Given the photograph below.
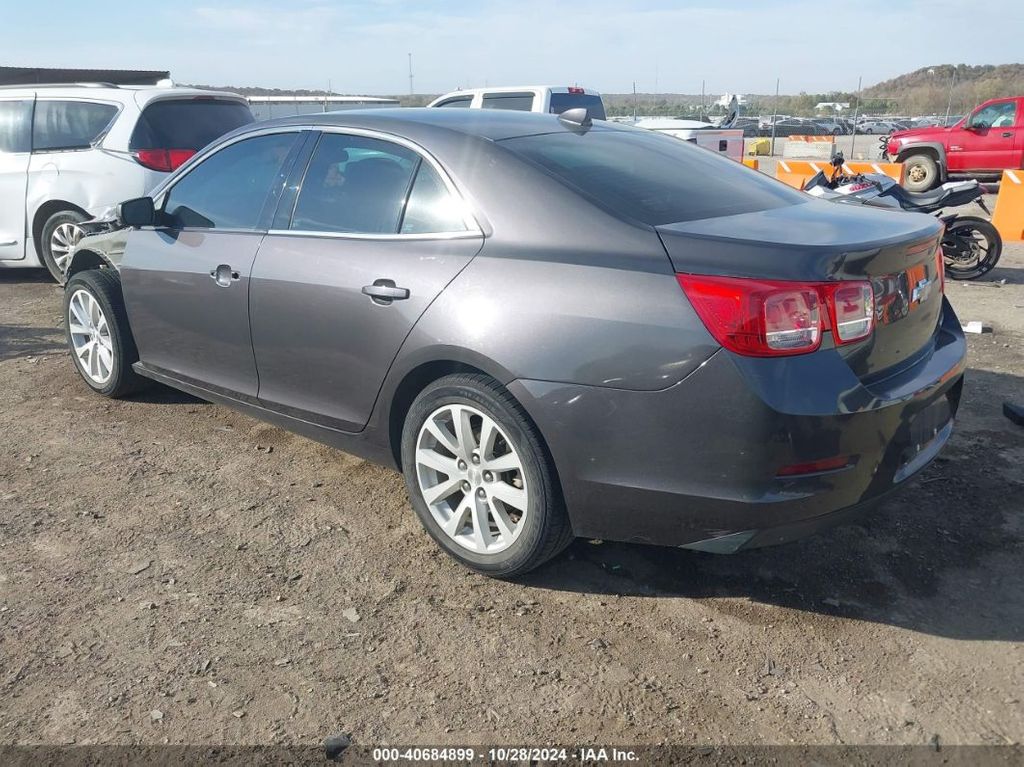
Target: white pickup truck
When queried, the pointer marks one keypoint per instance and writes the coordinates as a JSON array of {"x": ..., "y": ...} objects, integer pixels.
[{"x": 525, "y": 98}]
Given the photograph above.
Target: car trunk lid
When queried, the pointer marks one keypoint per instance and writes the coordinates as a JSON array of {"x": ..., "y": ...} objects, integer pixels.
[{"x": 824, "y": 241}]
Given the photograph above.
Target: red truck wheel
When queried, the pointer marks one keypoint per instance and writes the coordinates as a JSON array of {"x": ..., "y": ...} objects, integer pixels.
[{"x": 920, "y": 172}]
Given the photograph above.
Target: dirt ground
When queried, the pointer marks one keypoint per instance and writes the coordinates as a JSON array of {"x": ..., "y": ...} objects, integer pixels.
[{"x": 171, "y": 571}]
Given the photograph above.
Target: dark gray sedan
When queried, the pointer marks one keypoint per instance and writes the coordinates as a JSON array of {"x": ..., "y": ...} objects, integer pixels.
[{"x": 552, "y": 327}]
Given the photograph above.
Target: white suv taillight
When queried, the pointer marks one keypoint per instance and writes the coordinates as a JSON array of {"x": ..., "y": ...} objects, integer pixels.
[{"x": 768, "y": 318}]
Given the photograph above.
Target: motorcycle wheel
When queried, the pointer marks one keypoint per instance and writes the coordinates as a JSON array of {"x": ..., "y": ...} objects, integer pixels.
[{"x": 971, "y": 247}]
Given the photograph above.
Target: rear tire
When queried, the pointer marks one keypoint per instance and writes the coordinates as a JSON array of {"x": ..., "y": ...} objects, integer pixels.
[
  {"x": 967, "y": 258},
  {"x": 59, "y": 236},
  {"x": 98, "y": 336},
  {"x": 459, "y": 474},
  {"x": 920, "y": 172}
]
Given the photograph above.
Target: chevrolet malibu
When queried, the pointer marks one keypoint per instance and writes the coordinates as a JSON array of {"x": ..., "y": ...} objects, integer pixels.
[{"x": 552, "y": 327}]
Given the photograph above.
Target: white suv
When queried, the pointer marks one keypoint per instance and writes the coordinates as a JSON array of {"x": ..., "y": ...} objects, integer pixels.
[
  {"x": 69, "y": 152},
  {"x": 525, "y": 98}
]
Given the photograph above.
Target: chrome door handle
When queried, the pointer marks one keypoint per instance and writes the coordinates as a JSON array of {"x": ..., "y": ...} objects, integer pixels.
[
  {"x": 1007, "y": 134},
  {"x": 383, "y": 292},
  {"x": 224, "y": 275}
]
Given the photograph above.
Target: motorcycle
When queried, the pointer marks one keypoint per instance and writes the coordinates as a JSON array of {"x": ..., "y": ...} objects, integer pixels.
[{"x": 970, "y": 244}]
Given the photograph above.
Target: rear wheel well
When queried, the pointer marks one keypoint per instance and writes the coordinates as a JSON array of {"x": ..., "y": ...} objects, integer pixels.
[
  {"x": 46, "y": 210},
  {"x": 415, "y": 381}
]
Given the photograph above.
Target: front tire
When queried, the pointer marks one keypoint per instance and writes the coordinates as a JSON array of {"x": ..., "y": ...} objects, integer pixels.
[
  {"x": 97, "y": 333},
  {"x": 480, "y": 479},
  {"x": 920, "y": 172},
  {"x": 60, "y": 235},
  {"x": 971, "y": 247}
]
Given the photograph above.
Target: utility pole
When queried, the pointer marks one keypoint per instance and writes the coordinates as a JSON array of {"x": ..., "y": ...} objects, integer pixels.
[
  {"x": 634, "y": 101},
  {"x": 856, "y": 108},
  {"x": 410, "y": 74},
  {"x": 949, "y": 103}
]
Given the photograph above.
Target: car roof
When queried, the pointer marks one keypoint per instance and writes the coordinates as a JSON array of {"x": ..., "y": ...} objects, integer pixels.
[
  {"x": 492, "y": 124},
  {"x": 138, "y": 94}
]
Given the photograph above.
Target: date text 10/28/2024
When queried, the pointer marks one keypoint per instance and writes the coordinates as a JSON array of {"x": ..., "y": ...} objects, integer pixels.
[{"x": 504, "y": 754}]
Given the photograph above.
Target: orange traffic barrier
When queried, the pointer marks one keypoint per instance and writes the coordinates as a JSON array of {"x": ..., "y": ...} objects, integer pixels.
[
  {"x": 893, "y": 170},
  {"x": 796, "y": 173},
  {"x": 1008, "y": 217},
  {"x": 829, "y": 138},
  {"x": 750, "y": 162}
]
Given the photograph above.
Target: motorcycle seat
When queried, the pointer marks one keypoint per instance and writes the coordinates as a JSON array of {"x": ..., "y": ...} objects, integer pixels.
[{"x": 952, "y": 193}]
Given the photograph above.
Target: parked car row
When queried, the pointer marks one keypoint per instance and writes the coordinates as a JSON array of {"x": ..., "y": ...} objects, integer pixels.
[{"x": 68, "y": 152}]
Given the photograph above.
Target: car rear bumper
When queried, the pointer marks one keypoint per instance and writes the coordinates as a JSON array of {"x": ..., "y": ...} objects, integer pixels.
[{"x": 696, "y": 464}]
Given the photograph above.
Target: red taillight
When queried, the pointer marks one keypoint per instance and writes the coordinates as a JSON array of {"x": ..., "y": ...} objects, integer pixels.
[
  {"x": 940, "y": 268},
  {"x": 767, "y": 318},
  {"x": 575, "y": 89},
  {"x": 164, "y": 160},
  {"x": 814, "y": 467}
]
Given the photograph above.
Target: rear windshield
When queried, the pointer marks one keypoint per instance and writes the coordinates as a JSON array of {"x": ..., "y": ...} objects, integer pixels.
[
  {"x": 187, "y": 124},
  {"x": 562, "y": 101},
  {"x": 651, "y": 178}
]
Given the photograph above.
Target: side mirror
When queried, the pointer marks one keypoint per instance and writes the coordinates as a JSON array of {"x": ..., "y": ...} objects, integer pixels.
[{"x": 137, "y": 212}]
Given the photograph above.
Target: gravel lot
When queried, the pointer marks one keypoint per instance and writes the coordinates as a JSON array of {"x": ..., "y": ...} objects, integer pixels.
[{"x": 171, "y": 571}]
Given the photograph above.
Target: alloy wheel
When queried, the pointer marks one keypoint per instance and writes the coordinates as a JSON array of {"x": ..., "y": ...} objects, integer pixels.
[
  {"x": 90, "y": 336},
  {"x": 63, "y": 240},
  {"x": 471, "y": 479}
]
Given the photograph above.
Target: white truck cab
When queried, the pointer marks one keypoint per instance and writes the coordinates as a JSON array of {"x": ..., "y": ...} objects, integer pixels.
[{"x": 525, "y": 98}]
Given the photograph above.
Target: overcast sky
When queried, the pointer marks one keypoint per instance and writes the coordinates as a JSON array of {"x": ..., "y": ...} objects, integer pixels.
[{"x": 361, "y": 47}]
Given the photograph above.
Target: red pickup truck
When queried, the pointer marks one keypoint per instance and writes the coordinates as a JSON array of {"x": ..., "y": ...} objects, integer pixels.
[{"x": 985, "y": 143}]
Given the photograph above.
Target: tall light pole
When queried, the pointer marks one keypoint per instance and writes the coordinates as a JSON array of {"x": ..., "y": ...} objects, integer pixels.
[
  {"x": 410, "y": 74},
  {"x": 775, "y": 114},
  {"x": 856, "y": 109},
  {"x": 949, "y": 103}
]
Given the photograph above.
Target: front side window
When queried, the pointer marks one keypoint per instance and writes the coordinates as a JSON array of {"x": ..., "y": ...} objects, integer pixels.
[
  {"x": 522, "y": 102},
  {"x": 431, "y": 207},
  {"x": 230, "y": 188},
  {"x": 462, "y": 102},
  {"x": 560, "y": 102},
  {"x": 15, "y": 126},
  {"x": 354, "y": 184},
  {"x": 69, "y": 124},
  {"x": 1000, "y": 115}
]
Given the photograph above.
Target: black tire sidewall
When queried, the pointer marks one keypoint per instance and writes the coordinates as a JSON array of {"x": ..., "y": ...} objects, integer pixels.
[
  {"x": 524, "y": 553},
  {"x": 98, "y": 285},
  {"x": 995, "y": 250},
  {"x": 62, "y": 217}
]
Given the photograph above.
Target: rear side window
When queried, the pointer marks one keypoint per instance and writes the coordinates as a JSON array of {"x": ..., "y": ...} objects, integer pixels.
[
  {"x": 187, "y": 124},
  {"x": 431, "y": 207},
  {"x": 15, "y": 126},
  {"x": 229, "y": 189},
  {"x": 69, "y": 124},
  {"x": 462, "y": 102},
  {"x": 354, "y": 184},
  {"x": 562, "y": 101},
  {"x": 653, "y": 179},
  {"x": 522, "y": 102}
]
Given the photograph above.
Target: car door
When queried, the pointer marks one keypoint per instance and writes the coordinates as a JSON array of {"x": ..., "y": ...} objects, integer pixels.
[
  {"x": 987, "y": 140},
  {"x": 15, "y": 153},
  {"x": 186, "y": 280},
  {"x": 376, "y": 232}
]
